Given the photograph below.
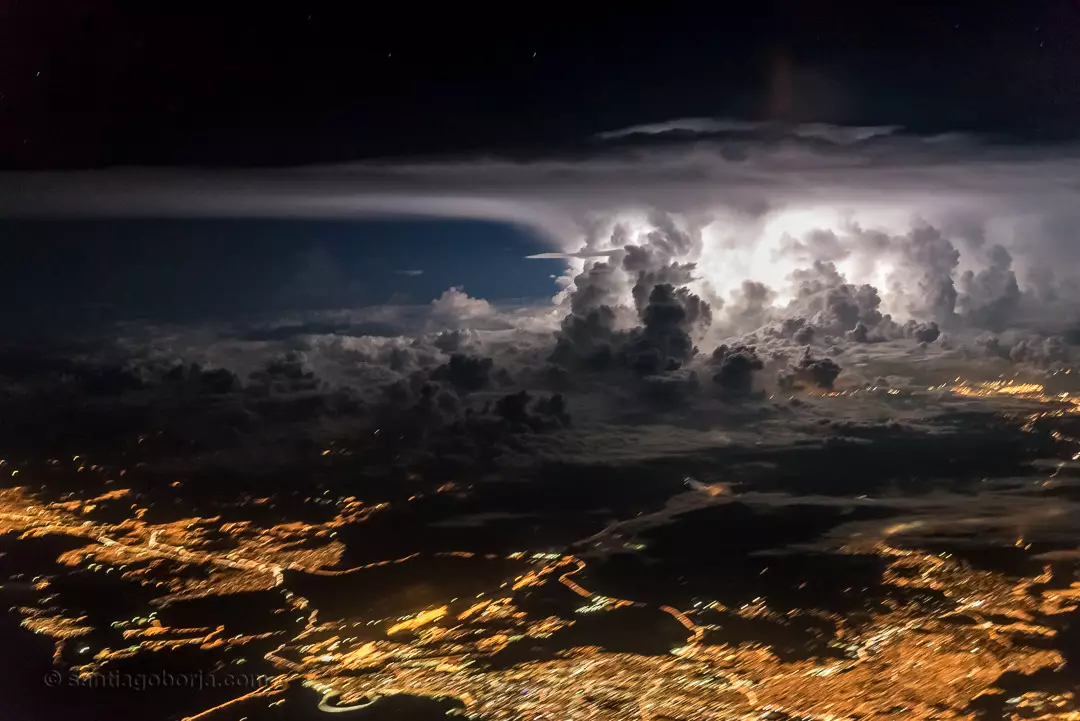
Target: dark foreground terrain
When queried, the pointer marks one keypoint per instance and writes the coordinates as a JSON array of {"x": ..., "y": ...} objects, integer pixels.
[{"x": 912, "y": 575}]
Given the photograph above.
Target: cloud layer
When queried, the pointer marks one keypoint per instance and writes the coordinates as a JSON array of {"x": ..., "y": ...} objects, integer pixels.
[{"x": 705, "y": 281}]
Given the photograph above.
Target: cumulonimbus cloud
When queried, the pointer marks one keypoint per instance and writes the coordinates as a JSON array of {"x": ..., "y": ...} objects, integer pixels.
[
  {"x": 750, "y": 175},
  {"x": 856, "y": 231}
]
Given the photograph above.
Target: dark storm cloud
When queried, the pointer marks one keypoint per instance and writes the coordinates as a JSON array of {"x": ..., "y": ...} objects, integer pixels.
[
  {"x": 1043, "y": 352},
  {"x": 658, "y": 332},
  {"x": 991, "y": 296},
  {"x": 680, "y": 208},
  {"x": 663, "y": 342},
  {"x": 820, "y": 372},
  {"x": 737, "y": 367},
  {"x": 465, "y": 373},
  {"x": 699, "y": 280}
]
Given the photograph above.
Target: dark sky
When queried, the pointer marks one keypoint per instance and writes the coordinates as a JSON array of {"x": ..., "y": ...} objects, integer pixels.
[
  {"x": 99, "y": 83},
  {"x": 86, "y": 83},
  {"x": 62, "y": 274}
]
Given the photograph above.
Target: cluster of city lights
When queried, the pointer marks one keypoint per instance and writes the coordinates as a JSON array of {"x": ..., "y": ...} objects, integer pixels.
[{"x": 912, "y": 660}]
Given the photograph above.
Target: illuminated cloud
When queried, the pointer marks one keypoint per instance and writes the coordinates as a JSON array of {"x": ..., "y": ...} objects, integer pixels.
[{"x": 818, "y": 256}]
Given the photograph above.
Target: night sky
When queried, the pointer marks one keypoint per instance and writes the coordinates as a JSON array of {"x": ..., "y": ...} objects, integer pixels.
[
  {"x": 59, "y": 274},
  {"x": 590, "y": 361},
  {"x": 100, "y": 82}
]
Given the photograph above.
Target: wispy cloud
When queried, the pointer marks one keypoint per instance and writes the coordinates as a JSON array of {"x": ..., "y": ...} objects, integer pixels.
[
  {"x": 839, "y": 134},
  {"x": 578, "y": 254}
]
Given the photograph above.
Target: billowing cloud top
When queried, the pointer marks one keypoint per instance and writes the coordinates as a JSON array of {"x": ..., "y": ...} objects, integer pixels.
[
  {"x": 759, "y": 261},
  {"x": 751, "y": 172}
]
